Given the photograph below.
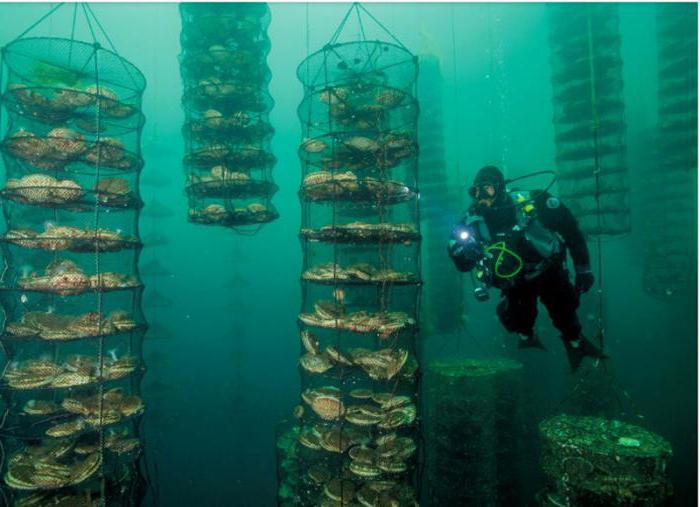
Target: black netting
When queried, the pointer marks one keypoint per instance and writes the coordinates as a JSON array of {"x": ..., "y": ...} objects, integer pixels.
[
  {"x": 70, "y": 289},
  {"x": 227, "y": 130},
  {"x": 670, "y": 217},
  {"x": 473, "y": 448},
  {"x": 589, "y": 120},
  {"x": 356, "y": 436}
]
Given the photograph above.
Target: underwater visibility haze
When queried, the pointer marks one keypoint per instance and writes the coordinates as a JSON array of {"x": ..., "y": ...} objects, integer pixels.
[{"x": 349, "y": 254}]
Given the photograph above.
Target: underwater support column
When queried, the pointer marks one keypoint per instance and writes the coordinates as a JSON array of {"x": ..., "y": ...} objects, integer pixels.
[
  {"x": 71, "y": 294},
  {"x": 356, "y": 435},
  {"x": 228, "y": 162},
  {"x": 472, "y": 432}
]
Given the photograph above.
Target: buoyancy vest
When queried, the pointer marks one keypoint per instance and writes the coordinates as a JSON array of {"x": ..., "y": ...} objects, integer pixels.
[{"x": 546, "y": 242}]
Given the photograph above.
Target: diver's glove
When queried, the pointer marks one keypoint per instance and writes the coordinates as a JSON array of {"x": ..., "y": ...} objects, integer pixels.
[{"x": 584, "y": 279}]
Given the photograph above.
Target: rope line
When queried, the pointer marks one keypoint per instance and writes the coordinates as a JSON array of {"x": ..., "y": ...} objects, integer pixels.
[
  {"x": 72, "y": 33},
  {"x": 89, "y": 23},
  {"x": 356, "y": 6},
  {"x": 99, "y": 293},
  {"x": 389, "y": 32},
  {"x": 338, "y": 30},
  {"x": 111, "y": 45},
  {"x": 101, "y": 28},
  {"x": 362, "y": 28},
  {"x": 37, "y": 23},
  {"x": 595, "y": 126}
]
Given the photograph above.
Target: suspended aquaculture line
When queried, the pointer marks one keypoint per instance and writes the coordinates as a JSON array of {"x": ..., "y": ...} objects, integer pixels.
[
  {"x": 228, "y": 162},
  {"x": 70, "y": 290},
  {"x": 356, "y": 423},
  {"x": 460, "y": 187},
  {"x": 595, "y": 126},
  {"x": 593, "y": 460},
  {"x": 589, "y": 124},
  {"x": 669, "y": 263},
  {"x": 442, "y": 315}
]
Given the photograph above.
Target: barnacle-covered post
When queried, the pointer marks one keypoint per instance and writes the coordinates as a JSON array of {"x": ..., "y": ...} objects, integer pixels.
[
  {"x": 70, "y": 289},
  {"x": 360, "y": 236},
  {"x": 472, "y": 424},
  {"x": 443, "y": 301},
  {"x": 594, "y": 461},
  {"x": 670, "y": 217},
  {"x": 589, "y": 115},
  {"x": 227, "y": 132}
]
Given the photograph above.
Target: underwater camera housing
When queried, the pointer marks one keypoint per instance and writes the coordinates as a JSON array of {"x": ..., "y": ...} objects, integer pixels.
[{"x": 470, "y": 240}]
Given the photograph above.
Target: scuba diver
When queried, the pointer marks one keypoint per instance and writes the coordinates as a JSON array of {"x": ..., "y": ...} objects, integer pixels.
[{"x": 517, "y": 242}]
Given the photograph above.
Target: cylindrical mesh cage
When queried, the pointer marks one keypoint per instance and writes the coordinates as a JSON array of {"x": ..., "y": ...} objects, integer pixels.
[
  {"x": 228, "y": 162},
  {"x": 589, "y": 120},
  {"x": 443, "y": 300},
  {"x": 472, "y": 432},
  {"x": 670, "y": 216},
  {"x": 357, "y": 433},
  {"x": 601, "y": 462},
  {"x": 70, "y": 288}
]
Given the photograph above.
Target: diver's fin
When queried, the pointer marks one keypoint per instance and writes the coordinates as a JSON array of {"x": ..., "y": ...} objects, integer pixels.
[
  {"x": 576, "y": 350},
  {"x": 530, "y": 342}
]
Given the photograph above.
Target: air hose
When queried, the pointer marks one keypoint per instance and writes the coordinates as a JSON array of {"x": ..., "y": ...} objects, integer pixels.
[{"x": 503, "y": 253}]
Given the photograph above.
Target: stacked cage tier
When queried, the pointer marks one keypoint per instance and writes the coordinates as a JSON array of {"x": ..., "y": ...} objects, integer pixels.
[
  {"x": 357, "y": 435},
  {"x": 589, "y": 120},
  {"x": 671, "y": 216},
  {"x": 472, "y": 426},
  {"x": 227, "y": 132},
  {"x": 70, "y": 288}
]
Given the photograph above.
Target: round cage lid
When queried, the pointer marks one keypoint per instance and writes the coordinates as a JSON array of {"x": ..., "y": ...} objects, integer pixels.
[{"x": 52, "y": 60}]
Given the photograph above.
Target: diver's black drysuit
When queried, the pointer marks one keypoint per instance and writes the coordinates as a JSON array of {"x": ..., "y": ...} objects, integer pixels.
[{"x": 543, "y": 275}]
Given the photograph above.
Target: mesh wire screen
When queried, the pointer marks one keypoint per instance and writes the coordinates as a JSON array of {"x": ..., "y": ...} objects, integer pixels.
[
  {"x": 355, "y": 438},
  {"x": 671, "y": 216},
  {"x": 227, "y": 132},
  {"x": 70, "y": 289},
  {"x": 589, "y": 120},
  {"x": 472, "y": 432}
]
